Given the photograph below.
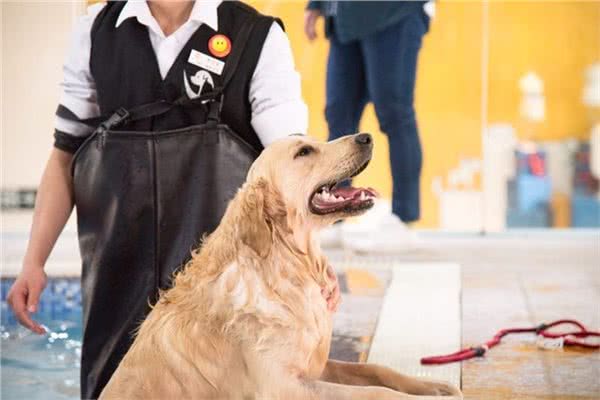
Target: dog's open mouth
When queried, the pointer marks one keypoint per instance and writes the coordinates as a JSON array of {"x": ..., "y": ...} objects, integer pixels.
[{"x": 331, "y": 198}]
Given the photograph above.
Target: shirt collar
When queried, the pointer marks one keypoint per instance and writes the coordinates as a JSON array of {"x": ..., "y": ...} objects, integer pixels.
[{"x": 202, "y": 12}]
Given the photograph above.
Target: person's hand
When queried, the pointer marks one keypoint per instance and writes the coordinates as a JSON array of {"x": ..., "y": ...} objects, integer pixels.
[
  {"x": 310, "y": 21},
  {"x": 24, "y": 296},
  {"x": 332, "y": 292}
]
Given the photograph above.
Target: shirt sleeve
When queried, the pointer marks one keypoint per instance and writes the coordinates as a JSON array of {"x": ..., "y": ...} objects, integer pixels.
[
  {"x": 275, "y": 91},
  {"x": 78, "y": 90}
]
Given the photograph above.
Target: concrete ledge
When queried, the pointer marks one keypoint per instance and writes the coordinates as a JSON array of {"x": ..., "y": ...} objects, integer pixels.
[{"x": 420, "y": 316}]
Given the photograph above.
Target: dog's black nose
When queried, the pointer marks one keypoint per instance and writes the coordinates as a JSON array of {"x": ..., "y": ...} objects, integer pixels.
[{"x": 363, "y": 139}]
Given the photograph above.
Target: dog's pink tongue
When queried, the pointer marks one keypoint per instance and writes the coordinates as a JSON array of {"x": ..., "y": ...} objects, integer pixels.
[{"x": 349, "y": 192}]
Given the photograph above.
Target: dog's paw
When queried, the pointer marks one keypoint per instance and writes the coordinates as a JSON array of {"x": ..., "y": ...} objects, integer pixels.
[{"x": 433, "y": 388}]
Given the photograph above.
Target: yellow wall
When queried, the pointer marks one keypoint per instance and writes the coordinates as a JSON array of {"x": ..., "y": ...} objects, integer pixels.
[{"x": 555, "y": 39}]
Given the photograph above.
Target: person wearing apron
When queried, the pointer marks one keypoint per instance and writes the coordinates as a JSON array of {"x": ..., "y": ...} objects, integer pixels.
[{"x": 166, "y": 149}]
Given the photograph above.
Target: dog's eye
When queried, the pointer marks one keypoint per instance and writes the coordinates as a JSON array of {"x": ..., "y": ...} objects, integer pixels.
[{"x": 304, "y": 151}]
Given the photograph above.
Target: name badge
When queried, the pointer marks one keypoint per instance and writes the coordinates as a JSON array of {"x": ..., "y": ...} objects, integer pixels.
[{"x": 206, "y": 62}]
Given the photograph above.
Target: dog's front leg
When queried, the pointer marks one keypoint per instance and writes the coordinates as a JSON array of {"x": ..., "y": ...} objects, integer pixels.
[
  {"x": 321, "y": 390},
  {"x": 360, "y": 374}
]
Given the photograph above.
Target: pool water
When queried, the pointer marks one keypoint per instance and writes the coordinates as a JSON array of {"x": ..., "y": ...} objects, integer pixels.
[{"x": 43, "y": 367}]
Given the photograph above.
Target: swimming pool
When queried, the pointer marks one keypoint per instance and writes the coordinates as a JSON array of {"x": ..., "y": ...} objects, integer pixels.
[{"x": 43, "y": 367}]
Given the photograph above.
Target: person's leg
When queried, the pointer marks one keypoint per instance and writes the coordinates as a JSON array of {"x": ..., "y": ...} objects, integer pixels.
[
  {"x": 346, "y": 98},
  {"x": 346, "y": 89},
  {"x": 390, "y": 68}
]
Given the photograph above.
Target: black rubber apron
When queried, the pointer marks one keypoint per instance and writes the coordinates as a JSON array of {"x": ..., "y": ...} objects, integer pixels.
[{"x": 144, "y": 200}]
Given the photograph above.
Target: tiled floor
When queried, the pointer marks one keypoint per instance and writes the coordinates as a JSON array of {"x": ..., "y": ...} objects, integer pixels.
[
  {"x": 524, "y": 285},
  {"x": 523, "y": 281}
]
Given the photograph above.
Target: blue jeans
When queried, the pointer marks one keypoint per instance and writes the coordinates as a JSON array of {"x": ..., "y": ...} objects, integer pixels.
[{"x": 382, "y": 68}]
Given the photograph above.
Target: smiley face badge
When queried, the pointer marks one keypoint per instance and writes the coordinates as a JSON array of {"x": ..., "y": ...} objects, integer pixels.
[{"x": 219, "y": 45}]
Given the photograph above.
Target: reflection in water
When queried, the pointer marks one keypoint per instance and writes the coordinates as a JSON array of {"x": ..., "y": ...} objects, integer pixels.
[{"x": 43, "y": 366}]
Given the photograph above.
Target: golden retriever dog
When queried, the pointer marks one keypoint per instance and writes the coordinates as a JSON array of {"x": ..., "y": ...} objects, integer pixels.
[{"x": 245, "y": 318}]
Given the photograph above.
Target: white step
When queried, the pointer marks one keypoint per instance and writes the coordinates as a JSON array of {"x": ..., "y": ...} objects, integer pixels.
[{"x": 420, "y": 316}]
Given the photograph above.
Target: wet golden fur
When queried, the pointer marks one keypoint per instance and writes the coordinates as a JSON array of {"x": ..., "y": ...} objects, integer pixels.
[{"x": 246, "y": 318}]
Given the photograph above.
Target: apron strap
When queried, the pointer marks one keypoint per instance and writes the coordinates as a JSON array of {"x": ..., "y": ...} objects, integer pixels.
[
  {"x": 239, "y": 45},
  {"x": 122, "y": 115},
  {"x": 214, "y": 98}
]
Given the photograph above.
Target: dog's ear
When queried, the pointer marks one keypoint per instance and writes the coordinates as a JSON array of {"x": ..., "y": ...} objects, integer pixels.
[{"x": 254, "y": 223}]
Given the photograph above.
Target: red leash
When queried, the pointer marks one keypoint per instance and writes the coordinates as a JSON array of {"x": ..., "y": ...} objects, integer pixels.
[{"x": 573, "y": 338}]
